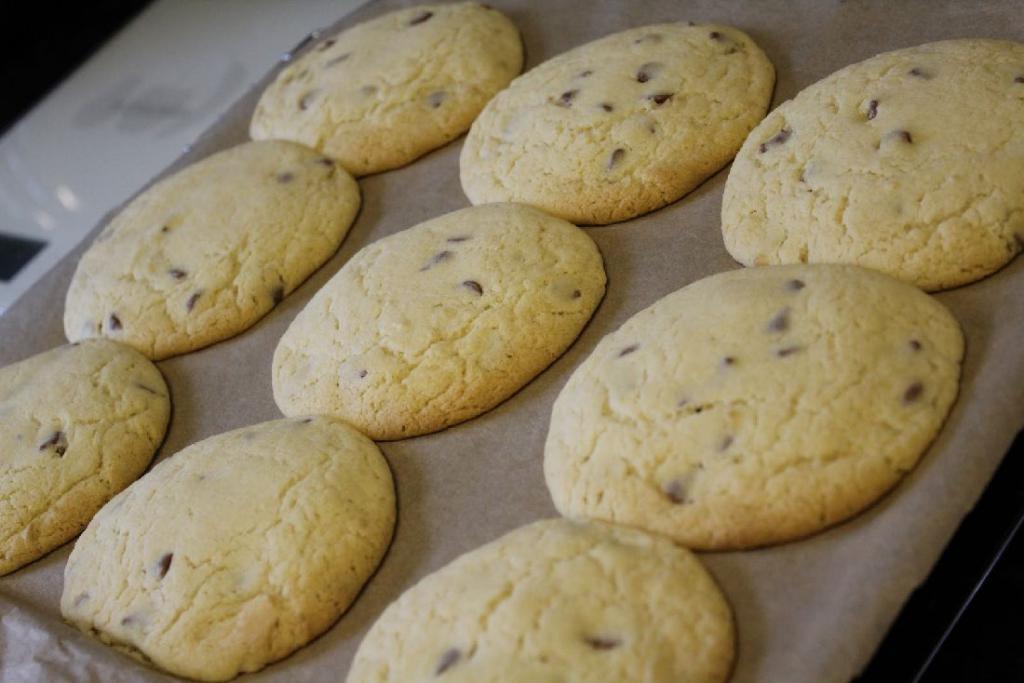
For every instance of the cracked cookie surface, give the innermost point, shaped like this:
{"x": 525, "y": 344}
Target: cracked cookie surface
{"x": 911, "y": 163}
{"x": 619, "y": 126}
{"x": 556, "y": 601}
{"x": 387, "y": 91}
{"x": 77, "y": 424}
{"x": 441, "y": 322}
{"x": 202, "y": 255}
{"x": 237, "y": 550}
{"x": 755, "y": 406}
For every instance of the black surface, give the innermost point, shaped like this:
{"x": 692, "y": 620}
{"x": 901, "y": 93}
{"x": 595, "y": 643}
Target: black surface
{"x": 15, "y": 253}
{"x": 44, "y": 41}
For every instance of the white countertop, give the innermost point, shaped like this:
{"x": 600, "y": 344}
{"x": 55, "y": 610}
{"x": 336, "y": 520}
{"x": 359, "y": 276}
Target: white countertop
{"x": 132, "y": 108}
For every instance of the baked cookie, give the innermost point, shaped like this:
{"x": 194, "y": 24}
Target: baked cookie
{"x": 620, "y": 126}
{"x": 389, "y": 90}
{"x": 755, "y": 406}
{"x": 205, "y": 253}
{"x": 441, "y": 322}
{"x": 77, "y": 424}
{"x": 911, "y": 163}
{"x": 557, "y": 601}
{"x": 237, "y": 550}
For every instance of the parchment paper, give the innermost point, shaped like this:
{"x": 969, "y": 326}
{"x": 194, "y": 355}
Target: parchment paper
{"x": 814, "y": 610}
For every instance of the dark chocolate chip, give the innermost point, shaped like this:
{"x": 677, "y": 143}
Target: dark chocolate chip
{"x": 628, "y": 350}
{"x": 334, "y": 61}
{"x": 437, "y": 258}
{"x": 675, "y": 492}
{"x": 326, "y": 44}
{"x": 607, "y": 107}
{"x": 919, "y": 73}
{"x": 362, "y": 374}
{"x": 778, "y": 139}
{"x": 915, "y": 345}
{"x": 660, "y": 98}
{"x": 566, "y": 98}
{"x": 913, "y": 392}
{"x": 729, "y": 360}
{"x": 473, "y": 285}
{"x": 165, "y": 228}
{"x": 872, "y": 109}
{"x": 113, "y": 322}
{"x": 58, "y": 441}
{"x": 599, "y": 643}
{"x": 780, "y": 323}
{"x": 1019, "y": 79}
{"x": 648, "y": 71}
{"x": 615, "y": 157}
{"x": 435, "y": 99}
{"x": 795, "y": 285}
{"x": 715, "y": 35}
{"x": 307, "y": 99}
{"x": 277, "y": 295}
{"x": 576, "y": 294}
{"x": 164, "y": 565}
{"x": 788, "y": 351}
{"x": 725, "y": 443}
{"x": 448, "y": 660}
{"x": 458, "y": 238}
{"x": 420, "y": 18}
{"x": 584, "y": 74}
{"x": 285, "y": 177}
{"x": 191, "y": 303}
{"x": 177, "y": 273}
{"x": 306, "y": 420}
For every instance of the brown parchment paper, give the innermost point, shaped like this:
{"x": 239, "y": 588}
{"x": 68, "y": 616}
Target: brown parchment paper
{"x": 814, "y": 610}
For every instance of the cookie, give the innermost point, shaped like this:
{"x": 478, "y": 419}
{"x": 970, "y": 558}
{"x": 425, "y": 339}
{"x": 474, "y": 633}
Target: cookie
{"x": 441, "y": 322}
{"x": 77, "y": 424}
{"x": 755, "y": 406}
{"x": 620, "y": 126}
{"x": 237, "y": 550}
{"x": 387, "y": 91}
{"x": 205, "y": 253}
{"x": 556, "y": 601}
{"x": 910, "y": 163}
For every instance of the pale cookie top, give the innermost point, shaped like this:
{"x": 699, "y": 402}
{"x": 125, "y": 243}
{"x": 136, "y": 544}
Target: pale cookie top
{"x": 441, "y": 322}
{"x": 389, "y": 90}
{"x": 552, "y": 602}
{"x": 205, "y": 253}
{"x": 620, "y": 126}
{"x": 911, "y": 163}
{"x": 237, "y": 550}
{"x": 755, "y": 406}
{"x": 77, "y": 424}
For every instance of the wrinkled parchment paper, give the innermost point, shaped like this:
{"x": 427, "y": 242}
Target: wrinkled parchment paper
{"x": 810, "y": 611}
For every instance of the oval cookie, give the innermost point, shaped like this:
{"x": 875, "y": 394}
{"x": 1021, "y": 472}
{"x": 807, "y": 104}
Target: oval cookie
{"x": 620, "y": 126}
{"x": 556, "y": 601}
{"x": 77, "y": 424}
{"x": 389, "y": 90}
{"x": 755, "y": 406}
{"x": 911, "y": 163}
{"x": 441, "y": 322}
{"x": 237, "y": 550}
{"x": 205, "y": 253}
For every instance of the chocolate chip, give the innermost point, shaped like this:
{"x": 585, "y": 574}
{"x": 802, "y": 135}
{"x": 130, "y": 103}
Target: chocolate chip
{"x": 902, "y": 135}
{"x": 58, "y": 441}
{"x": 437, "y": 258}
{"x": 306, "y": 420}
{"x": 778, "y": 139}
{"x": 872, "y": 109}
{"x": 576, "y": 294}
{"x": 447, "y": 661}
{"x": 420, "y": 18}
{"x": 607, "y": 107}
{"x": 435, "y": 99}
{"x": 473, "y": 285}
{"x": 277, "y": 295}
{"x": 307, "y": 99}
{"x": 285, "y": 177}
{"x": 915, "y": 345}
{"x": 334, "y": 61}
{"x": 362, "y": 374}
{"x": 913, "y": 392}
{"x": 628, "y": 350}
{"x": 788, "y": 351}
{"x": 660, "y": 98}
{"x": 191, "y": 303}
{"x": 795, "y": 285}
{"x": 648, "y": 71}
{"x": 164, "y": 565}
{"x": 177, "y": 273}
{"x": 615, "y": 157}
{"x": 165, "y": 228}
{"x": 780, "y": 323}
{"x": 566, "y": 98}
{"x": 919, "y": 73}
{"x": 1019, "y": 79}
{"x": 326, "y": 44}
{"x": 675, "y": 492}
{"x": 113, "y": 322}
{"x": 368, "y": 90}
{"x": 729, "y": 360}
{"x": 599, "y": 643}
{"x": 725, "y": 443}
{"x": 458, "y": 238}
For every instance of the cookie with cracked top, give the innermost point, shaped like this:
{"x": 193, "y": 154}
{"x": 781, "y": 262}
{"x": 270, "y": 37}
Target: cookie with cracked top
{"x": 202, "y": 255}
{"x": 77, "y": 424}
{"x": 441, "y": 322}
{"x": 235, "y": 551}
{"x": 557, "y": 601}
{"x": 619, "y": 126}
{"x": 755, "y": 406}
{"x": 387, "y": 91}
{"x": 909, "y": 163}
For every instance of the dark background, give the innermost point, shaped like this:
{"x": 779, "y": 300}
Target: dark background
{"x": 973, "y": 601}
